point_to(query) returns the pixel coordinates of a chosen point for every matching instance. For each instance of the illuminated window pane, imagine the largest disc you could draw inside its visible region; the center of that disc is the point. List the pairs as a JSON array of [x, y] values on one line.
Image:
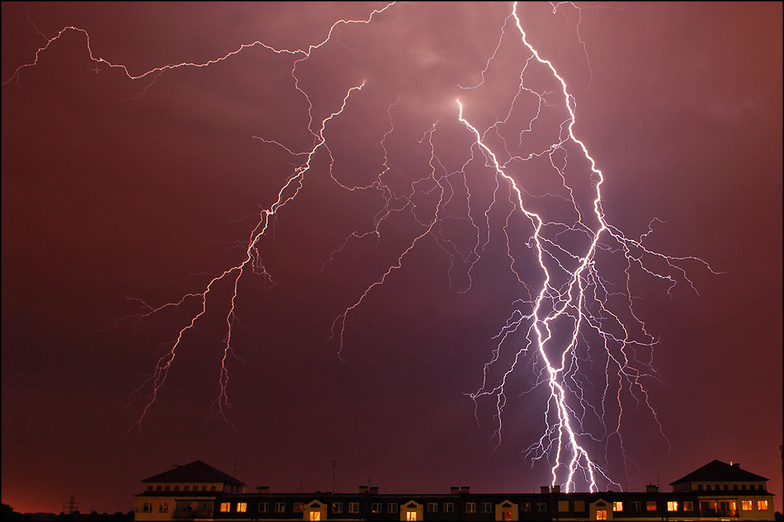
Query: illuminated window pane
[[315, 515], [688, 505], [164, 507], [411, 515], [225, 506], [617, 506], [242, 507], [563, 505], [746, 505], [672, 505], [507, 515], [651, 505], [601, 514], [299, 507], [762, 505]]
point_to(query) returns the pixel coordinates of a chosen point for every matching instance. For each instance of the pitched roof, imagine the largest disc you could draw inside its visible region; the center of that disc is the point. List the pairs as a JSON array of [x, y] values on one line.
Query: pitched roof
[[196, 471], [719, 471]]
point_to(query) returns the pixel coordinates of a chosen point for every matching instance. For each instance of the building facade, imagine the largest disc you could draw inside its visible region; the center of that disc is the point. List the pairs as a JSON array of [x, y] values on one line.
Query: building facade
[[188, 492], [727, 499]]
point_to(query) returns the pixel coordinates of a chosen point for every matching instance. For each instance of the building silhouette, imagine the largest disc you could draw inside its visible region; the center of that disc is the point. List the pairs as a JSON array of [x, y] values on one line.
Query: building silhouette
[[199, 492]]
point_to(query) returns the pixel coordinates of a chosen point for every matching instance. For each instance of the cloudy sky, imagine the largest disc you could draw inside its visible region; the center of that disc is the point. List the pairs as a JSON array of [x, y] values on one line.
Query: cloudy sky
[[134, 174]]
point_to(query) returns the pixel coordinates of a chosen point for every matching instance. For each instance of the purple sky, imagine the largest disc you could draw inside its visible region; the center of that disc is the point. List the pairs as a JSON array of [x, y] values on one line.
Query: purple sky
[[117, 190]]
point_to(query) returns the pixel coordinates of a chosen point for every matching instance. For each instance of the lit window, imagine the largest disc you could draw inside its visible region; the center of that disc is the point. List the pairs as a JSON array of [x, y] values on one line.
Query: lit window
[[672, 505], [601, 514], [392, 508], [527, 507], [411, 515], [225, 507], [315, 515], [375, 507], [651, 505], [263, 507], [280, 507], [762, 505], [337, 507], [617, 506], [164, 507], [745, 505], [563, 505], [242, 507], [507, 515], [470, 507], [688, 505], [353, 507], [432, 507]]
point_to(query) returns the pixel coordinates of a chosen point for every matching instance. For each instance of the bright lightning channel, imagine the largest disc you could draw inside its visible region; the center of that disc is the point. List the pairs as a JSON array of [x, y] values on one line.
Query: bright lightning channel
[[565, 300]]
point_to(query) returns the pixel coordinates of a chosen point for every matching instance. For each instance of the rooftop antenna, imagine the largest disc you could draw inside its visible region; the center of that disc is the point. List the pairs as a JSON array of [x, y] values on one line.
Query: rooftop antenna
[[333, 471]]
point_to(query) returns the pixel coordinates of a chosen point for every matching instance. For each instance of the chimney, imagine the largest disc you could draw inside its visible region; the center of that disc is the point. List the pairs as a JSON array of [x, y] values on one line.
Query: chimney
[[465, 490], [363, 489], [555, 489], [374, 490], [544, 490], [651, 488], [263, 489], [735, 464], [454, 490]]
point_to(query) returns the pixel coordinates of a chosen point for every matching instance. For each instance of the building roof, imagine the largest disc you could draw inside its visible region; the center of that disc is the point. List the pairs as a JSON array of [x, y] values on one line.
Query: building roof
[[196, 471], [719, 471]]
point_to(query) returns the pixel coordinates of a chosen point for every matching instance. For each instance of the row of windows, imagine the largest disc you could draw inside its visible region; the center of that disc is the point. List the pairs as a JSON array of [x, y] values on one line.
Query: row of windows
[[375, 507], [186, 487], [726, 487]]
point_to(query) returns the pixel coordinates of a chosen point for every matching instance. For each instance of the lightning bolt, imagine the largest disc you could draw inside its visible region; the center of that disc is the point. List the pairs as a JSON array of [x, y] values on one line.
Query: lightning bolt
[[569, 316]]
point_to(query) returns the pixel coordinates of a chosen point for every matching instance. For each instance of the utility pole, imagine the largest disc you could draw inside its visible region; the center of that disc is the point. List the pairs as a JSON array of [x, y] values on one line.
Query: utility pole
[[70, 506]]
